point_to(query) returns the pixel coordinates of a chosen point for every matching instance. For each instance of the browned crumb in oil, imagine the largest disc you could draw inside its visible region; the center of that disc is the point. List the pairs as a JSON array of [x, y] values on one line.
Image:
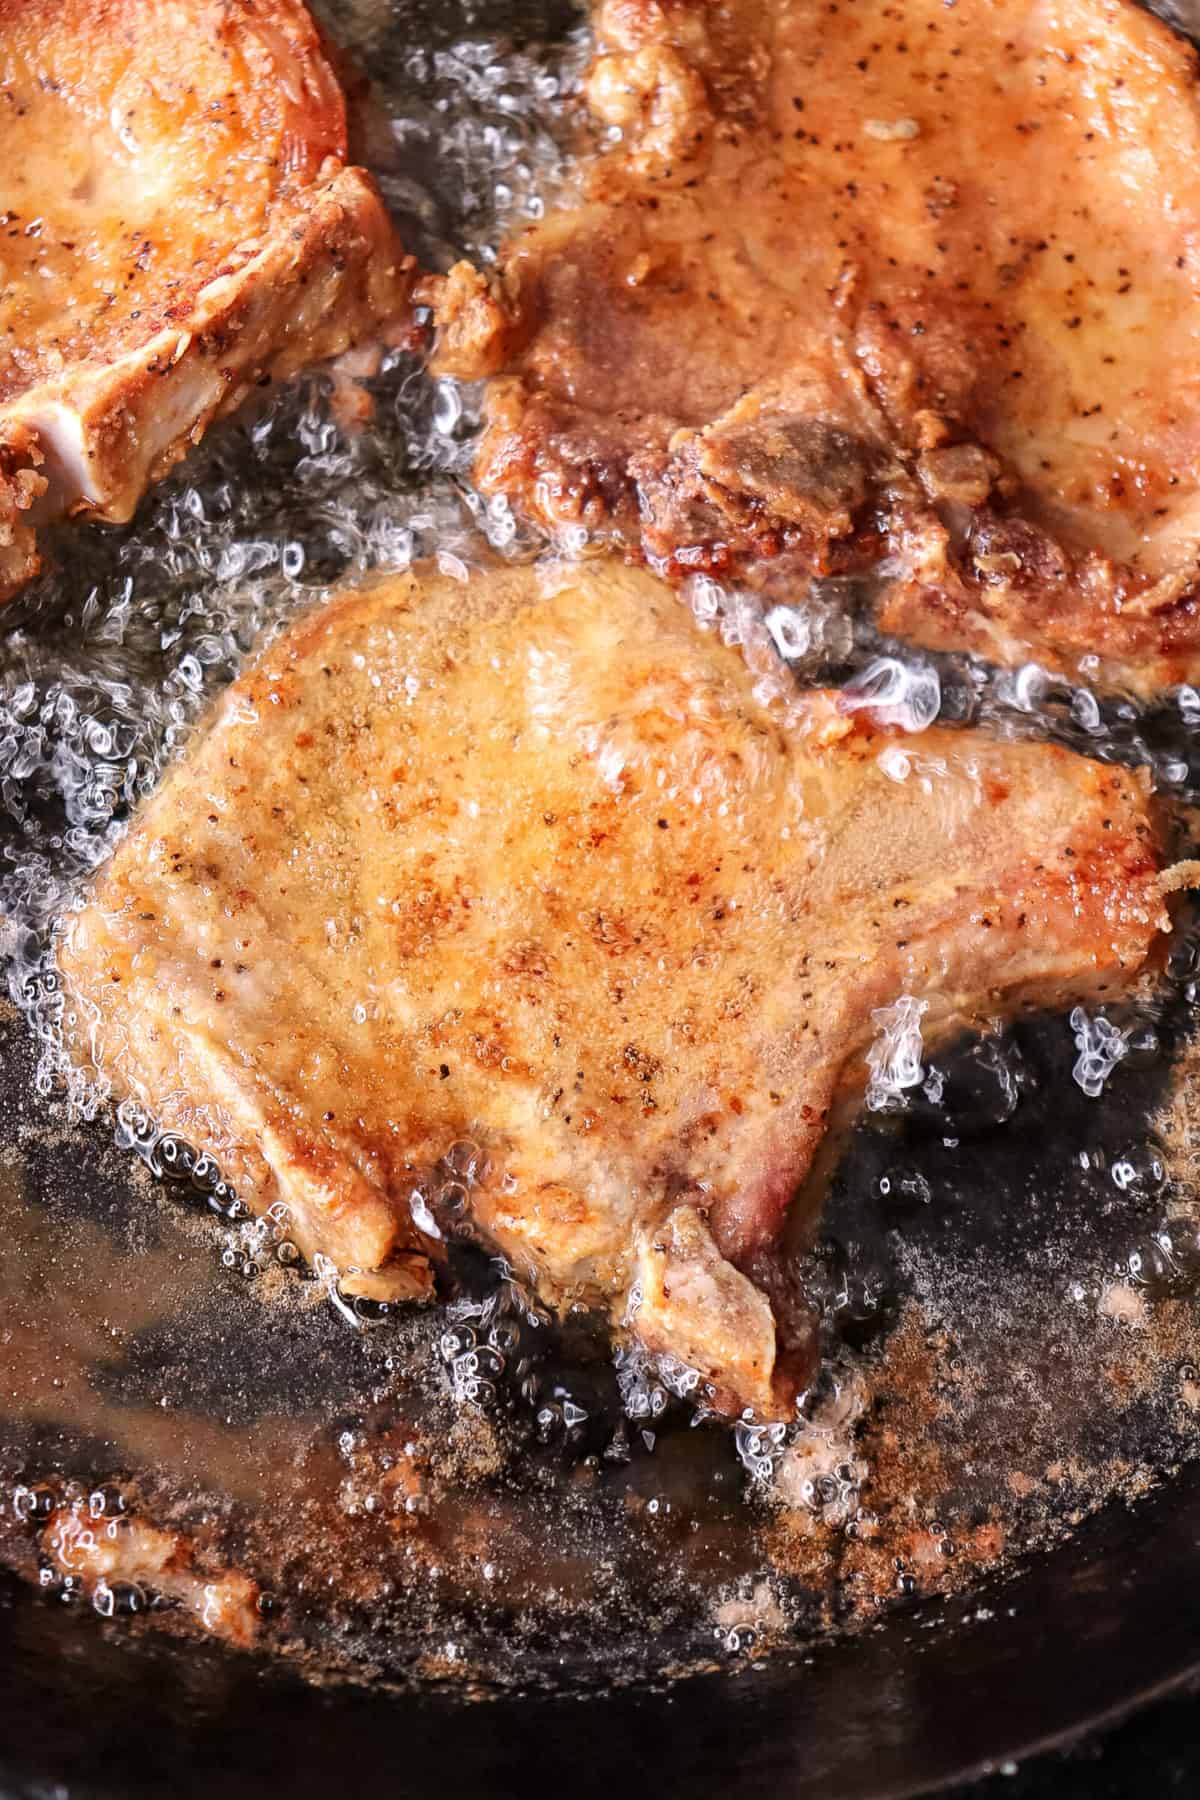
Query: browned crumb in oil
[[910, 1529], [1177, 1121], [1154, 1352], [472, 1450], [904, 1534], [107, 1555]]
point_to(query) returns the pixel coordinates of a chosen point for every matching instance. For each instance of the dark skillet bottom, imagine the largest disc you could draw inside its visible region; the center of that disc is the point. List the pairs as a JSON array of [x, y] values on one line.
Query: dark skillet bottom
[[1103, 1625]]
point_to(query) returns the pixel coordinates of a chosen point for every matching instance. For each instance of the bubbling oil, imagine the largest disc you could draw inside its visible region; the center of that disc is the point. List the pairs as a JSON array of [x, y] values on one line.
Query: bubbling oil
[[1005, 1282]]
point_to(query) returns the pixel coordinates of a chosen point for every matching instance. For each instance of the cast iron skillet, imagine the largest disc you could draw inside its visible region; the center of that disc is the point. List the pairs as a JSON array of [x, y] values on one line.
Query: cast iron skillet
[[933, 1694], [1099, 1627]]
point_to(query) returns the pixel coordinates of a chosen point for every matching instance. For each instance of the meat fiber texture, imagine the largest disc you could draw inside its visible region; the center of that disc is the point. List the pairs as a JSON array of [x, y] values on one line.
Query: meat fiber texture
[[905, 287], [180, 224], [522, 902]]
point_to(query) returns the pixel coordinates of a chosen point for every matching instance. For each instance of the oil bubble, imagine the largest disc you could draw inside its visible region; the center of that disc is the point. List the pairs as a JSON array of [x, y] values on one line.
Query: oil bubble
[[1139, 1170]]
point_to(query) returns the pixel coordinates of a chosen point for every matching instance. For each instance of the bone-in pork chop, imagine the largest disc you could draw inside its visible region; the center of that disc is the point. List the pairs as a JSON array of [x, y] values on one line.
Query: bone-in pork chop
[[907, 278], [179, 222], [530, 863]]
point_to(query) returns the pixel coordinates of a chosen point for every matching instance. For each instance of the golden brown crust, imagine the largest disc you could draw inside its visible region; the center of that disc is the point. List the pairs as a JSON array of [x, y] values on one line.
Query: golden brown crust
[[181, 225], [528, 862], [21, 485], [475, 333], [923, 285]]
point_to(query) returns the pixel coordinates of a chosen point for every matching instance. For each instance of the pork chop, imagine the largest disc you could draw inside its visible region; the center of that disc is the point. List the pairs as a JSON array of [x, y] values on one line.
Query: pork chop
[[180, 224], [912, 280], [530, 864]]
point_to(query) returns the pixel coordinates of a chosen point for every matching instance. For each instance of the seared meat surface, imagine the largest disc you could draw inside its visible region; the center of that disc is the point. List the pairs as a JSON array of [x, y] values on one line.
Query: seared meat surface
[[527, 877], [180, 223], [906, 279]]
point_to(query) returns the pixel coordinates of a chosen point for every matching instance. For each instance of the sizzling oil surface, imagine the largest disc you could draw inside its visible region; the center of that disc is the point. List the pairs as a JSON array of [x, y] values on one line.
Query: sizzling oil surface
[[1009, 1267]]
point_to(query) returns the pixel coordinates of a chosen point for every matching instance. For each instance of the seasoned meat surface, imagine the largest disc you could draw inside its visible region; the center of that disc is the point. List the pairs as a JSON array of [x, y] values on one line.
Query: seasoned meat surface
[[906, 279], [528, 879], [180, 223]]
